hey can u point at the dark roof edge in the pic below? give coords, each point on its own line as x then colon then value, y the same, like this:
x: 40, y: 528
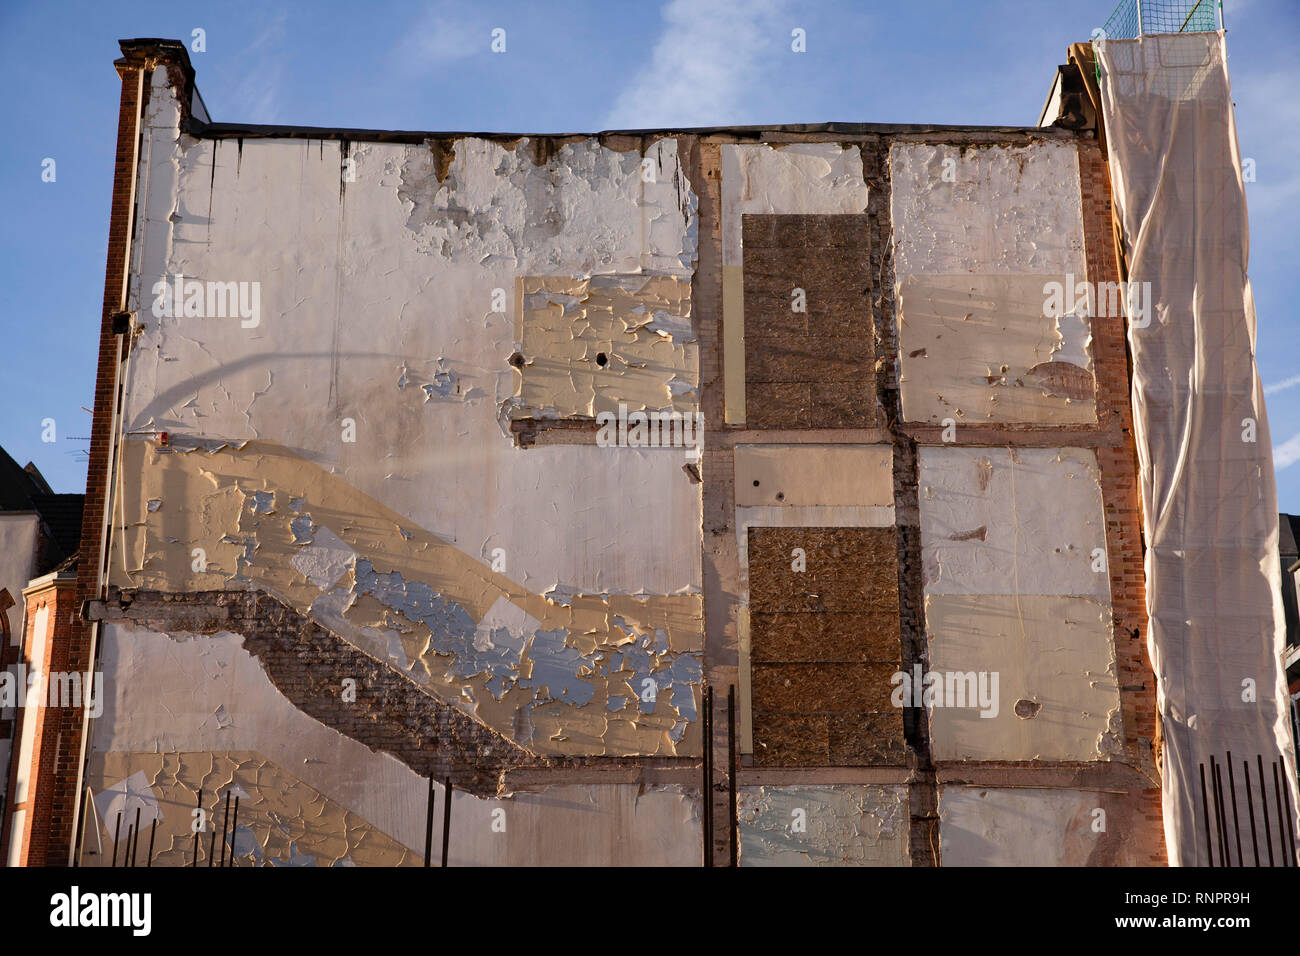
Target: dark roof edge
x: 144, y: 49
x: 238, y: 131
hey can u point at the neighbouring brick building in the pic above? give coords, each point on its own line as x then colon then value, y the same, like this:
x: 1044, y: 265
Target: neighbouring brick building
x: 428, y: 459
x: 40, y: 533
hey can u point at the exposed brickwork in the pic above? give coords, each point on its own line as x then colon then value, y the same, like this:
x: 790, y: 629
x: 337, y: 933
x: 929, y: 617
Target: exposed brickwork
x: 307, y: 663
x: 76, y: 648
x: 1119, y: 484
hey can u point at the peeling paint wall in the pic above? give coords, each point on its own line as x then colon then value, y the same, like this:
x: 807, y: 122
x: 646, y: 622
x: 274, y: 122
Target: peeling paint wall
x: 979, y: 233
x: 353, y: 479
x: 346, y: 450
x: 986, y: 826
x: 187, y: 712
x: 842, y: 825
x: 1013, y: 548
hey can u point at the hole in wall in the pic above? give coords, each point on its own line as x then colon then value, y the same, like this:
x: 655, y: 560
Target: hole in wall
x: 1025, y: 709
x: 602, y: 359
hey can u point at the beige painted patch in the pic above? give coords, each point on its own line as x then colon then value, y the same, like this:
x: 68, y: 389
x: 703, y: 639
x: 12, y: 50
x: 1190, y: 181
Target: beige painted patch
x: 1012, y: 520
x: 1055, y: 654
x: 814, y: 475
x: 988, y: 826
x: 282, y: 821
x: 240, y: 507
x: 590, y: 344
x: 733, y: 343
x: 977, y: 348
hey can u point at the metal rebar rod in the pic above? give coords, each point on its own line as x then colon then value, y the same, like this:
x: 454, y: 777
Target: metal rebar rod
x: 428, y: 825
x: 117, y: 833
x: 732, y: 824
x: 1205, y: 805
x: 708, y: 776
x: 153, y: 832
x: 225, y: 824
x: 1224, y: 859
x: 1263, y: 795
x: 1281, y: 824
x: 1236, y: 823
x: 234, y: 830
x: 135, y: 846
x: 1290, y: 831
x: 1250, y: 805
x: 447, y: 790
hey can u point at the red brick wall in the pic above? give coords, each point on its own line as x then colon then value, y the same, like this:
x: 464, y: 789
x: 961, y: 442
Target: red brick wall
x: 73, y: 647
x: 1119, y: 485
x: 49, y: 758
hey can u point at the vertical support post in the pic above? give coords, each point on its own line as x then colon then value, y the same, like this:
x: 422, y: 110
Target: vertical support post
x: 1281, y: 824
x: 1205, y: 804
x: 135, y: 846
x: 428, y: 825
x: 234, y: 829
x: 153, y: 832
x: 1236, y: 823
x: 1250, y: 805
x: 225, y: 822
x: 1290, y: 827
x: 733, y: 829
x: 1139, y: 9
x: 1263, y: 795
x: 708, y: 775
x: 447, y: 791
x: 117, y: 833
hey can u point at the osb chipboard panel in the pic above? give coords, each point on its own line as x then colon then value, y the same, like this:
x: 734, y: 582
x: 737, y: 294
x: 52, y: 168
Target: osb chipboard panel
x: 814, y: 475
x: 809, y: 352
x: 824, y: 638
x: 845, y: 570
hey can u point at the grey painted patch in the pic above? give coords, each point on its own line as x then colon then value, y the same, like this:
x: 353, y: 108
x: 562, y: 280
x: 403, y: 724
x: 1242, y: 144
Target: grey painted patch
x: 452, y: 631
x: 262, y: 502
x: 301, y: 528
x: 650, y: 658
x: 557, y: 668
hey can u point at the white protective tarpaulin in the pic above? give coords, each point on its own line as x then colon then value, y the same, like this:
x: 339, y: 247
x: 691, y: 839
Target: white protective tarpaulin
x: 1216, y: 631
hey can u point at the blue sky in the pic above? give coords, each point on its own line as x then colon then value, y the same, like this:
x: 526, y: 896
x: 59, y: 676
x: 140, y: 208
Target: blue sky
x: 579, y: 66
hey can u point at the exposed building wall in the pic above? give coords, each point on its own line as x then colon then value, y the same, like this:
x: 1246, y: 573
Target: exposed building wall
x: 390, y: 472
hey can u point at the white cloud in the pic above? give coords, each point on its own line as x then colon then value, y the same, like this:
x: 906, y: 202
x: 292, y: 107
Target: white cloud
x: 1286, y: 383
x: 1268, y: 122
x: 704, y: 67
x: 1286, y: 454
x: 255, y: 97
x: 439, y: 37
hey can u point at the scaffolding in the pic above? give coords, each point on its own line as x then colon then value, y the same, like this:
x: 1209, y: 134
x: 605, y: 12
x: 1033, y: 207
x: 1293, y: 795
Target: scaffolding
x: 1134, y: 18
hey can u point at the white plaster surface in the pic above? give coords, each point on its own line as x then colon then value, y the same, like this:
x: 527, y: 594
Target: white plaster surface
x: 372, y: 288
x: 1011, y: 521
